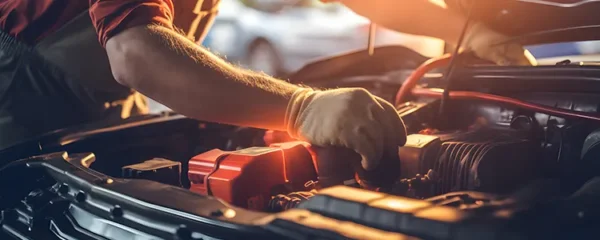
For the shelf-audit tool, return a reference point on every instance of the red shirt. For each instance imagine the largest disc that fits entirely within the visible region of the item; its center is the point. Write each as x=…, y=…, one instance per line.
x=32, y=20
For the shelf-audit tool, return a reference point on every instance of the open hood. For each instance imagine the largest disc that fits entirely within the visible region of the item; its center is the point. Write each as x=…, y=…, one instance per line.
x=529, y=22
x=537, y=21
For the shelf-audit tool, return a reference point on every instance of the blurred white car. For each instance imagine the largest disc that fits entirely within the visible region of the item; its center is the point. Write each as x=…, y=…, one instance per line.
x=280, y=36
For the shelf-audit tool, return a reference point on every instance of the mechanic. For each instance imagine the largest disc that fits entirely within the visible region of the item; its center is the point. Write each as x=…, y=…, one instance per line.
x=434, y=18
x=66, y=62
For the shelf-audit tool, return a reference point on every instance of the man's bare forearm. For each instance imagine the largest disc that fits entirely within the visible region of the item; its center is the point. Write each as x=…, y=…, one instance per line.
x=420, y=17
x=190, y=80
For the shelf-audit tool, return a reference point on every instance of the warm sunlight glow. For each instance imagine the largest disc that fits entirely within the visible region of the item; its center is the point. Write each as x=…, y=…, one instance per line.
x=229, y=213
x=400, y=204
x=440, y=3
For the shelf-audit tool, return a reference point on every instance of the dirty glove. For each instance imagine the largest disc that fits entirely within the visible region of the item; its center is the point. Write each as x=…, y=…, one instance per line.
x=481, y=39
x=346, y=117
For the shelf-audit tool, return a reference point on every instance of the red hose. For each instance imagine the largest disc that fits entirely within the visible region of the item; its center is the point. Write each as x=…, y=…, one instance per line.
x=437, y=93
x=408, y=88
x=415, y=76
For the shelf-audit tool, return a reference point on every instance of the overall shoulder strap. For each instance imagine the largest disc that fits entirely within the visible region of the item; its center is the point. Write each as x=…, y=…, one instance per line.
x=62, y=81
x=76, y=50
x=11, y=53
x=33, y=96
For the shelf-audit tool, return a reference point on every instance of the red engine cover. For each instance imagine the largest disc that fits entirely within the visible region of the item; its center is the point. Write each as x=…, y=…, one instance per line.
x=249, y=177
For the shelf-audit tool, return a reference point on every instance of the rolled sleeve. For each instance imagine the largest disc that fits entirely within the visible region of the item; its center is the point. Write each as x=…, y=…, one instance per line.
x=113, y=16
x=195, y=17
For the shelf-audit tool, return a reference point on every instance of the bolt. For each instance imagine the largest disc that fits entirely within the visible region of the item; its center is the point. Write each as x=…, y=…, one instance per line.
x=116, y=211
x=183, y=233
x=63, y=189
x=80, y=197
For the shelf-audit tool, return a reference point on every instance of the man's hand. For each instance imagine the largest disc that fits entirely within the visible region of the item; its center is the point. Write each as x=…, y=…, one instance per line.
x=351, y=118
x=481, y=40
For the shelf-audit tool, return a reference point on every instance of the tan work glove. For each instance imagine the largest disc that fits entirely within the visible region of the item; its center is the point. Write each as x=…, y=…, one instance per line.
x=346, y=117
x=481, y=39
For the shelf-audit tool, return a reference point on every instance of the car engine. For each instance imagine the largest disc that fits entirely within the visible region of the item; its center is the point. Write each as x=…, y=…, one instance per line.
x=512, y=165
x=481, y=157
x=476, y=146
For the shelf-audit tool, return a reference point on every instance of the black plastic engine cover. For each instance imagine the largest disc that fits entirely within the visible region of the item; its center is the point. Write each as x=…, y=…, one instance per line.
x=496, y=161
x=158, y=169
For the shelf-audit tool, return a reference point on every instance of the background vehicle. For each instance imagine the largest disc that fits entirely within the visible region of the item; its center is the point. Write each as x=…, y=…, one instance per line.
x=279, y=36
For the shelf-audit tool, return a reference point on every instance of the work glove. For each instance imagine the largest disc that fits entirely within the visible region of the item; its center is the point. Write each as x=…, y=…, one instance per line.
x=484, y=42
x=347, y=117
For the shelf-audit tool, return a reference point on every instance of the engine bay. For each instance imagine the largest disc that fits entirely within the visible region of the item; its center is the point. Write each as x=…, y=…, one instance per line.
x=495, y=156
x=487, y=145
x=483, y=168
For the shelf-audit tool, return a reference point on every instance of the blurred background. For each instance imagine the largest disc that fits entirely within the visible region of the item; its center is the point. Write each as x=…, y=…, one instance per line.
x=279, y=37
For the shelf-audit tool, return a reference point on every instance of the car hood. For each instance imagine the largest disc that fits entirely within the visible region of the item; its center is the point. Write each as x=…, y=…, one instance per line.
x=537, y=21
x=529, y=22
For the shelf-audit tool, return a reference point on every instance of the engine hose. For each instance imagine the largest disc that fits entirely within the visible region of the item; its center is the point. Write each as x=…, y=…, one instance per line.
x=437, y=93
x=284, y=202
x=408, y=88
x=412, y=80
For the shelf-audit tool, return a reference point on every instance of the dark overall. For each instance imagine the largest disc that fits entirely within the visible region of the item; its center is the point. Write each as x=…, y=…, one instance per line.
x=63, y=80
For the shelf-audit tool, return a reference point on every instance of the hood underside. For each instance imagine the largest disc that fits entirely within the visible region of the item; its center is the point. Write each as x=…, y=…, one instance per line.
x=536, y=21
